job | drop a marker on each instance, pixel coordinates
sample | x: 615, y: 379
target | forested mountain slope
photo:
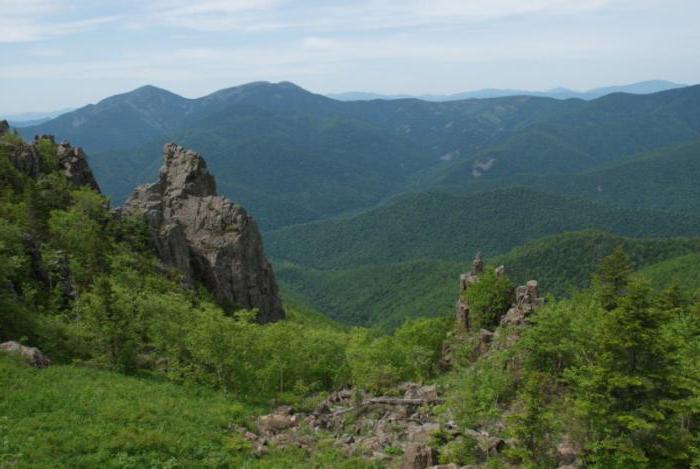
x: 603, y: 130
x: 387, y: 293
x: 293, y: 156
x: 446, y: 226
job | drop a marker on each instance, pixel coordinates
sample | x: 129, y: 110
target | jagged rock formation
x: 526, y: 299
x: 465, y: 281
x: 74, y: 165
x: 72, y: 162
x: 205, y: 236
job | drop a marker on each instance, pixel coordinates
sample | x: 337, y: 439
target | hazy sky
x: 66, y: 53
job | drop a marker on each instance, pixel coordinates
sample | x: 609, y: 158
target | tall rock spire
x: 205, y: 236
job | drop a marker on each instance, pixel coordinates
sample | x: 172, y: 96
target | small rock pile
x: 376, y: 427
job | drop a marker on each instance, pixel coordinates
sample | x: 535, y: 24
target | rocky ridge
x: 205, y: 236
x: 72, y: 162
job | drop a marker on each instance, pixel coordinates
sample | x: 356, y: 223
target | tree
x: 625, y: 390
x: 612, y: 278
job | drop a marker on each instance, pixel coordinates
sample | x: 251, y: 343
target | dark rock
x: 418, y: 456
x: 485, y: 338
x: 4, y: 127
x: 205, y: 236
x: 26, y: 160
x: 31, y: 355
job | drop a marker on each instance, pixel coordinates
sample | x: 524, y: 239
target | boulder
x: 205, y: 236
x: 31, y: 355
x: 418, y: 456
x: 281, y: 419
x: 419, y: 391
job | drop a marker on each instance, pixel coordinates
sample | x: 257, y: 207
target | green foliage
x: 411, y: 354
x: 445, y: 227
x: 68, y: 416
x: 612, y: 278
x: 488, y: 300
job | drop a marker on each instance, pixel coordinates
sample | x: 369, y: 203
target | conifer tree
x: 612, y: 278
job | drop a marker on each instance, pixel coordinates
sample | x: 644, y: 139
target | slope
x: 600, y: 131
x: 385, y: 295
x: 446, y: 226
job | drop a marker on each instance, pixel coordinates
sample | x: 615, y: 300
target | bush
x: 489, y: 299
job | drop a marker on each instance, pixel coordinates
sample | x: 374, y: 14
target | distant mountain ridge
x: 293, y: 156
x: 642, y: 87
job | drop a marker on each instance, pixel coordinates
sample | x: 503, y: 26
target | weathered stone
x: 31, y: 355
x: 527, y: 299
x: 205, y: 236
x: 73, y: 162
x: 418, y: 456
x: 462, y: 315
x: 4, y: 127
x: 417, y: 391
x: 276, y: 422
x: 567, y: 454
x: 422, y: 433
x: 477, y: 265
x: 485, y: 338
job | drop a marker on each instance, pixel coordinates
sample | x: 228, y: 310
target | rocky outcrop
x: 72, y: 162
x: 205, y: 236
x: 465, y: 281
x: 360, y: 424
x: 31, y: 355
x: 4, y: 127
x: 74, y: 165
x: 527, y: 299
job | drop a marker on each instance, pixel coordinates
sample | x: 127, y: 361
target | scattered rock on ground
x: 31, y: 355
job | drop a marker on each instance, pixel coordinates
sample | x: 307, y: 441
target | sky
x: 57, y: 54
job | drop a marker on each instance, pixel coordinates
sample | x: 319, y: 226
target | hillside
x: 290, y: 155
x: 447, y: 226
x: 598, y: 132
x: 385, y: 295
x: 293, y: 156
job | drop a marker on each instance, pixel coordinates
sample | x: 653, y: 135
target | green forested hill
x: 603, y: 130
x: 664, y: 179
x: 287, y: 154
x: 386, y: 294
x: 446, y: 226
x: 294, y: 156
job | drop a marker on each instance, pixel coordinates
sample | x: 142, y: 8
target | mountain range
x: 388, y: 189
x: 642, y: 87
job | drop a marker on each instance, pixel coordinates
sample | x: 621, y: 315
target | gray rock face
x: 74, y: 166
x: 4, y: 127
x: 205, y: 236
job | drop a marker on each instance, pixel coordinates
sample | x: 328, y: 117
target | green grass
x: 67, y: 416
x: 77, y: 417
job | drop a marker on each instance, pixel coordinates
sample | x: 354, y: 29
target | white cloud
x: 33, y: 20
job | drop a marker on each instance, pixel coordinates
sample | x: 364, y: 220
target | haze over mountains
x: 407, y: 185
x: 642, y: 87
